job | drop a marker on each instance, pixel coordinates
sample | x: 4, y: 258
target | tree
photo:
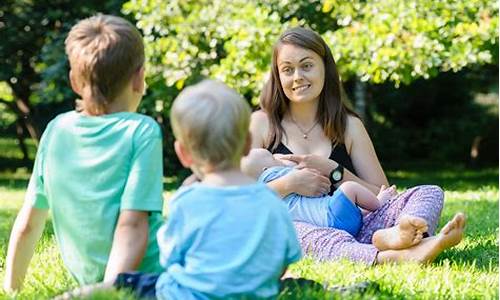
x: 32, y: 59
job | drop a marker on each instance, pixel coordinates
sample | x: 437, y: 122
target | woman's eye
x: 286, y: 70
x: 307, y: 66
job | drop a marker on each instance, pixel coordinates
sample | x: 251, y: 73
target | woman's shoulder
x: 259, y: 116
x: 354, y: 130
x: 259, y: 127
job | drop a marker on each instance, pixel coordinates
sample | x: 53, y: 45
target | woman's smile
x: 301, y: 88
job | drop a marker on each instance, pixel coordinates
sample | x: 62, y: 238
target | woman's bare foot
x: 431, y: 247
x: 408, y: 232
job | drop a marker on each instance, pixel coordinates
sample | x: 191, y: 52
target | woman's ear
x: 183, y: 154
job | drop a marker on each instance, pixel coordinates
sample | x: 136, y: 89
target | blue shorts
x: 343, y: 214
x: 143, y: 285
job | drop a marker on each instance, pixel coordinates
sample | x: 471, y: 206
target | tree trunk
x: 24, y: 123
x: 25, y: 113
x: 21, y: 136
x: 360, y: 98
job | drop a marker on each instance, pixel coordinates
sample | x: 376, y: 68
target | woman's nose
x: 297, y: 75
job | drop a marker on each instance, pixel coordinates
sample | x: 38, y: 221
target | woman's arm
x: 363, y: 157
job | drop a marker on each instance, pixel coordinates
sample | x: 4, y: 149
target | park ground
x: 468, y: 271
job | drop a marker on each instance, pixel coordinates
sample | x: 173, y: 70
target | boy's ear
x: 138, y: 83
x: 248, y: 144
x: 183, y: 155
x: 74, y: 83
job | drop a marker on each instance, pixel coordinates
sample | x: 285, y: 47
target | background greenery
x: 422, y: 73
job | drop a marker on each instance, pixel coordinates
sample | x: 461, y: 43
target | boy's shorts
x: 142, y: 284
x: 343, y: 214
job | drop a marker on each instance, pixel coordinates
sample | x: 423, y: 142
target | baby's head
x: 257, y: 161
x: 106, y: 54
x: 210, y: 122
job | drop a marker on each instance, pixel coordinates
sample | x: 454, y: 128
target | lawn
x: 469, y: 271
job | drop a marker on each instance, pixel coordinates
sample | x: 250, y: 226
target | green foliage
x: 32, y: 58
x: 400, y: 41
x: 377, y: 41
x: 227, y: 40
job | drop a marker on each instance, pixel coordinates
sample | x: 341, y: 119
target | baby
x: 341, y: 210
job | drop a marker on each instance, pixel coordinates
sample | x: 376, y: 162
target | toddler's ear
x: 183, y: 154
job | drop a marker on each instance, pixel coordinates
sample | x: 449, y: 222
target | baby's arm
x: 360, y: 195
x: 25, y: 234
x: 129, y: 243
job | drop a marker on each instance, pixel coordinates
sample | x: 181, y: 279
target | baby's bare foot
x: 386, y: 194
x: 408, y: 232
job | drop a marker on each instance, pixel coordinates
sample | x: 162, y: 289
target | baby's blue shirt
x: 301, y: 208
x: 225, y: 242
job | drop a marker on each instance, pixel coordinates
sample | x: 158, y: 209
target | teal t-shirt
x: 88, y: 169
x: 225, y: 243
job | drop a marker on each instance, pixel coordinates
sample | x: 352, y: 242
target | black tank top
x: 339, y: 154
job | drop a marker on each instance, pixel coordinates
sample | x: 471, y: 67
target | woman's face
x: 301, y: 72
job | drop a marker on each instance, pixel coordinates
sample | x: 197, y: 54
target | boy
x: 99, y: 170
x: 341, y: 210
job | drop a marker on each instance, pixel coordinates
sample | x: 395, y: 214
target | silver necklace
x: 304, y: 132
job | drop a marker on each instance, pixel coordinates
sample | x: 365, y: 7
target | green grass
x: 468, y: 271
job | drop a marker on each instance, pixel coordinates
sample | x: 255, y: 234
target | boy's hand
x: 386, y: 194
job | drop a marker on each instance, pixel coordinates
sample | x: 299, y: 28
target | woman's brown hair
x: 332, y: 108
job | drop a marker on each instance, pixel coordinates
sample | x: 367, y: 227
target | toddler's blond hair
x: 211, y: 121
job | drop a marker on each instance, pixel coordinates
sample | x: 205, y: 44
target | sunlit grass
x: 469, y: 271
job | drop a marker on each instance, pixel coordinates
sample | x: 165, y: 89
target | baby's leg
x: 360, y: 195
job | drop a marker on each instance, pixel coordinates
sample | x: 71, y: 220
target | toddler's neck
x: 229, y: 177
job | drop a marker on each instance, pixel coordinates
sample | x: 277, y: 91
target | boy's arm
x: 129, y: 243
x: 26, y: 232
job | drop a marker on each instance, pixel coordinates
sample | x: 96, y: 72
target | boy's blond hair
x: 211, y: 121
x: 104, y: 52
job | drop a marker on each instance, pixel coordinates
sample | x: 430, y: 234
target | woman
x: 305, y: 118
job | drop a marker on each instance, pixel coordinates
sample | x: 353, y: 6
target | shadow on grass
x: 481, y: 233
x: 14, y: 183
x: 457, y: 178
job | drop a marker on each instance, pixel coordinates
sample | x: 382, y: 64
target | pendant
x: 305, y: 136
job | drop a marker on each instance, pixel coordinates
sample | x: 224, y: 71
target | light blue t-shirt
x: 301, y: 208
x: 225, y: 242
x: 88, y: 169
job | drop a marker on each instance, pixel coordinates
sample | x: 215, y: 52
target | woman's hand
x: 312, y: 161
x: 308, y: 182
